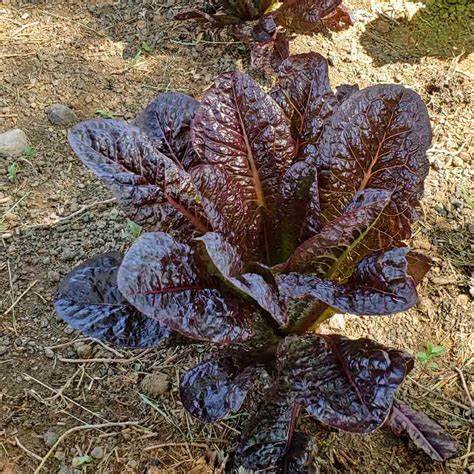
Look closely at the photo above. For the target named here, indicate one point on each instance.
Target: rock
(3, 350)
(337, 322)
(59, 114)
(155, 384)
(97, 452)
(50, 437)
(82, 350)
(49, 353)
(13, 143)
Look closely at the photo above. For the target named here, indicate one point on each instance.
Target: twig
(27, 451)
(169, 445)
(83, 209)
(70, 400)
(440, 395)
(104, 360)
(464, 386)
(80, 428)
(20, 297)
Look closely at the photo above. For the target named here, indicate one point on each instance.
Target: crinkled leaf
(89, 300)
(242, 131)
(304, 93)
(305, 16)
(326, 252)
(144, 180)
(380, 285)
(217, 387)
(268, 47)
(344, 91)
(167, 121)
(228, 264)
(162, 278)
(347, 384)
(424, 432)
(299, 201)
(267, 438)
(377, 138)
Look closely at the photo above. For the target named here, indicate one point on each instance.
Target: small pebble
(97, 452)
(155, 384)
(49, 353)
(50, 437)
(59, 114)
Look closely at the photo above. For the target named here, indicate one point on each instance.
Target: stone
(82, 350)
(337, 322)
(3, 350)
(155, 384)
(59, 114)
(50, 437)
(97, 452)
(49, 353)
(13, 143)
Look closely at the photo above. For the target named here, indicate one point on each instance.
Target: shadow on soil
(442, 29)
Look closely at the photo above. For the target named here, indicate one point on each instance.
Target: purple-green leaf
(380, 285)
(89, 300)
(328, 251)
(424, 432)
(161, 277)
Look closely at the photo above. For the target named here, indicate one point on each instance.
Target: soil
(113, 57)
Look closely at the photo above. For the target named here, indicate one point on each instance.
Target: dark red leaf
(226, 208)
(213, 19)
(299, 203)
(304, 93)
(344, 91)
(90, 301)
(217, 387)
(377, 138)
(167, 122)
(305, 16)
(267, 438)
(380, 285)
(146, 182)
(418, 266)
(339, 19)
(242, 131)
(228, 264)
(424, 432)
(326, 252)
(161, 278)
(347, 384)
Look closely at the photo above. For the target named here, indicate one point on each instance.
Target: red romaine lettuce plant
(266, 26)
(265, 214)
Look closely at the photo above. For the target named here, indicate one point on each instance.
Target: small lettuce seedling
(12, 172)
(266, 26)
(432, 352)
(264, 214)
